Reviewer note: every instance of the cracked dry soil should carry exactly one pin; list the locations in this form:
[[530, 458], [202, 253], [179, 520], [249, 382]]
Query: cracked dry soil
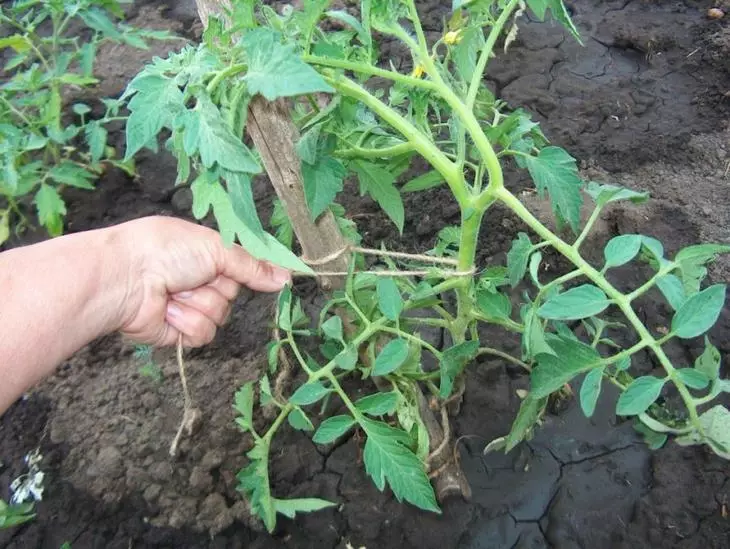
[[644, 103]]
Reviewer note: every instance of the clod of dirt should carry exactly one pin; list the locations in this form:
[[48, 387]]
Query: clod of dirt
[[214, 515]]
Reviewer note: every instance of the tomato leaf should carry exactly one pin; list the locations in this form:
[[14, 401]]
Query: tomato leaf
[[590, 390], [699, 313], [574, 304], [275, 70], [379, 404], [638, 396], [709, 361], [309, 393], [527, 417], [51, 209], [290, 507], [333, 428], [388, 459], [379, 183], [571, 358], [392, 357], [693, 378], [390, 301], [322, 181], [672, 289], [603, 194], [517, 258], [692, 261], [622, 249], [556, 172], [453, 361]]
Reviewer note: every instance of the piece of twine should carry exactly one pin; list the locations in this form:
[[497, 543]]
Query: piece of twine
[[446, 273]]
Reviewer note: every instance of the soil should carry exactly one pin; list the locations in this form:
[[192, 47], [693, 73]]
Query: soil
[[644, 104]]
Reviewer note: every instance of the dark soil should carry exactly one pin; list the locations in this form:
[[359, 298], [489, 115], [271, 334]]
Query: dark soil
[[644, 104]]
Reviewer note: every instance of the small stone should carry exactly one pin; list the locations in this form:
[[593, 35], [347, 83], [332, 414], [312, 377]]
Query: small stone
[[211, 460], [160, 471], [201, 480], [214, 514], [109, 463], [715, 13], [150, 401], [152, 492], [182, 200]]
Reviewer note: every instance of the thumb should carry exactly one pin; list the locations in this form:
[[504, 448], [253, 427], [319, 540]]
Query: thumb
[[245, 269]]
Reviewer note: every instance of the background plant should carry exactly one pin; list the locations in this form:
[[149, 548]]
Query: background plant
[[372, 330], [54, 45]]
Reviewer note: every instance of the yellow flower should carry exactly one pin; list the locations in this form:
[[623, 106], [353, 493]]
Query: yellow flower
[[453, 37], [418, 71]]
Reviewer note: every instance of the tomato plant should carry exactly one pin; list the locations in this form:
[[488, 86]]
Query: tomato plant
[[41, 151], [361, 118]]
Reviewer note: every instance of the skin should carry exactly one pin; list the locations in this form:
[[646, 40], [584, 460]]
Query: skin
[[151, 279]]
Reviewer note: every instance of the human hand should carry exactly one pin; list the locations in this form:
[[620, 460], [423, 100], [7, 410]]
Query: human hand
[[181, 279]]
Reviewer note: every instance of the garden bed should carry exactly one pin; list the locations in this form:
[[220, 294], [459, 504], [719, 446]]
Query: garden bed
[[644, 104]]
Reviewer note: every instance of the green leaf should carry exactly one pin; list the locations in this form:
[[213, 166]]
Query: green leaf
[[533, 338], [4, 226], [81, 109], [494, 305], [603, 194], [87, 54], [556, 172], [309, 394], [96, 19], [17, 42], [517, 258], [392, 357], [156, 100], [217, 144], [284, 308], [652, 439], [290, 507], [539, 8], [379, 404], [579, 302], [638, 396], [622, 249], [390, 301], [453, 361], [708, 363], [322, 181], [535, 260], [692, 261], [96, 138], [428, 180], [699, 313], [51, 209], [333, 428], [466, 52], [380, 184], [348, 19], [672, 289], [716, 425], [553, 371], [308, 145], [275, 70], [388, 459], [693, 378], [208, 192], [68, 173], [590, 390], [243, 404], [527, 417], [299, 421], [347, 359], [332, 328], [241, 195]]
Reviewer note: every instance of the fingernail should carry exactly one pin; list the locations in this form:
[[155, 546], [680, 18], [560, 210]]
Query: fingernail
[[173, 311], [280, 276], [184, 295]]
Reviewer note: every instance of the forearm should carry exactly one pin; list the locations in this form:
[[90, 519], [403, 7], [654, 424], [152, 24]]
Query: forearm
[[57, 296]]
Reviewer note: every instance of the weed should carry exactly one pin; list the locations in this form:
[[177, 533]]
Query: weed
[[41, 150]]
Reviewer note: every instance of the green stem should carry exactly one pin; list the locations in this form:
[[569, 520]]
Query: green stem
[[372, 71], [222, 75], [430, 152], [617, 297], [505, 356], [386, 152], [405, 335], [487, 50], [285, 411], [587, 229]]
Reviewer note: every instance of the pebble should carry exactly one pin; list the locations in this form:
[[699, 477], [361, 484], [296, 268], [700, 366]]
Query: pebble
[[715, 13]]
